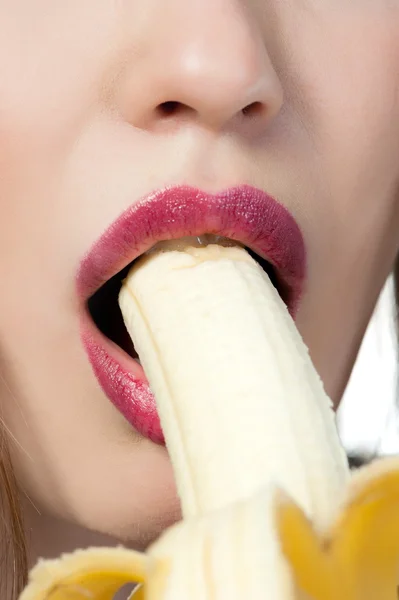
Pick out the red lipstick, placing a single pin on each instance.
(245, 214)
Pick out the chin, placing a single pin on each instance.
(132, 505)
(120, 493)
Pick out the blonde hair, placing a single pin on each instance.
(13, 552)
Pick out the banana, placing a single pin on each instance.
(240, 403)
(247, 426)
(231, 553)
(95, 574)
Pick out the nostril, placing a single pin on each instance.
(252, 110)
(168, 108)
(171, 108)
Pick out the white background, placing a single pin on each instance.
(368, 418)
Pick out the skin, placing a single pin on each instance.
(81, 139)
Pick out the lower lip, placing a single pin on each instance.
(123, 381)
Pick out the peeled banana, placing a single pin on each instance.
(241, 408)
(251, 435)
(240, 403)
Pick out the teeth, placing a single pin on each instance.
(185, 243)
(240, 403)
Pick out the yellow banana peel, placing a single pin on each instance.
(358, 559)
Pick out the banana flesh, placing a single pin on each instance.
(240, 403)
(232, 553)
(244, 415)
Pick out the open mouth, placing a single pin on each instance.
(245, 215)
(104, 308)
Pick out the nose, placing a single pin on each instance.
(203, 62)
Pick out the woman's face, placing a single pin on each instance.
(85, 133)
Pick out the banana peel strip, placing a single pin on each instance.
(358, 559)
(95, 573)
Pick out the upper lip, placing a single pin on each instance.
(244, 213)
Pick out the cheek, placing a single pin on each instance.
(52, 59)
(356, 86)
(346, 82)
(347, 78)
(345, 86)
